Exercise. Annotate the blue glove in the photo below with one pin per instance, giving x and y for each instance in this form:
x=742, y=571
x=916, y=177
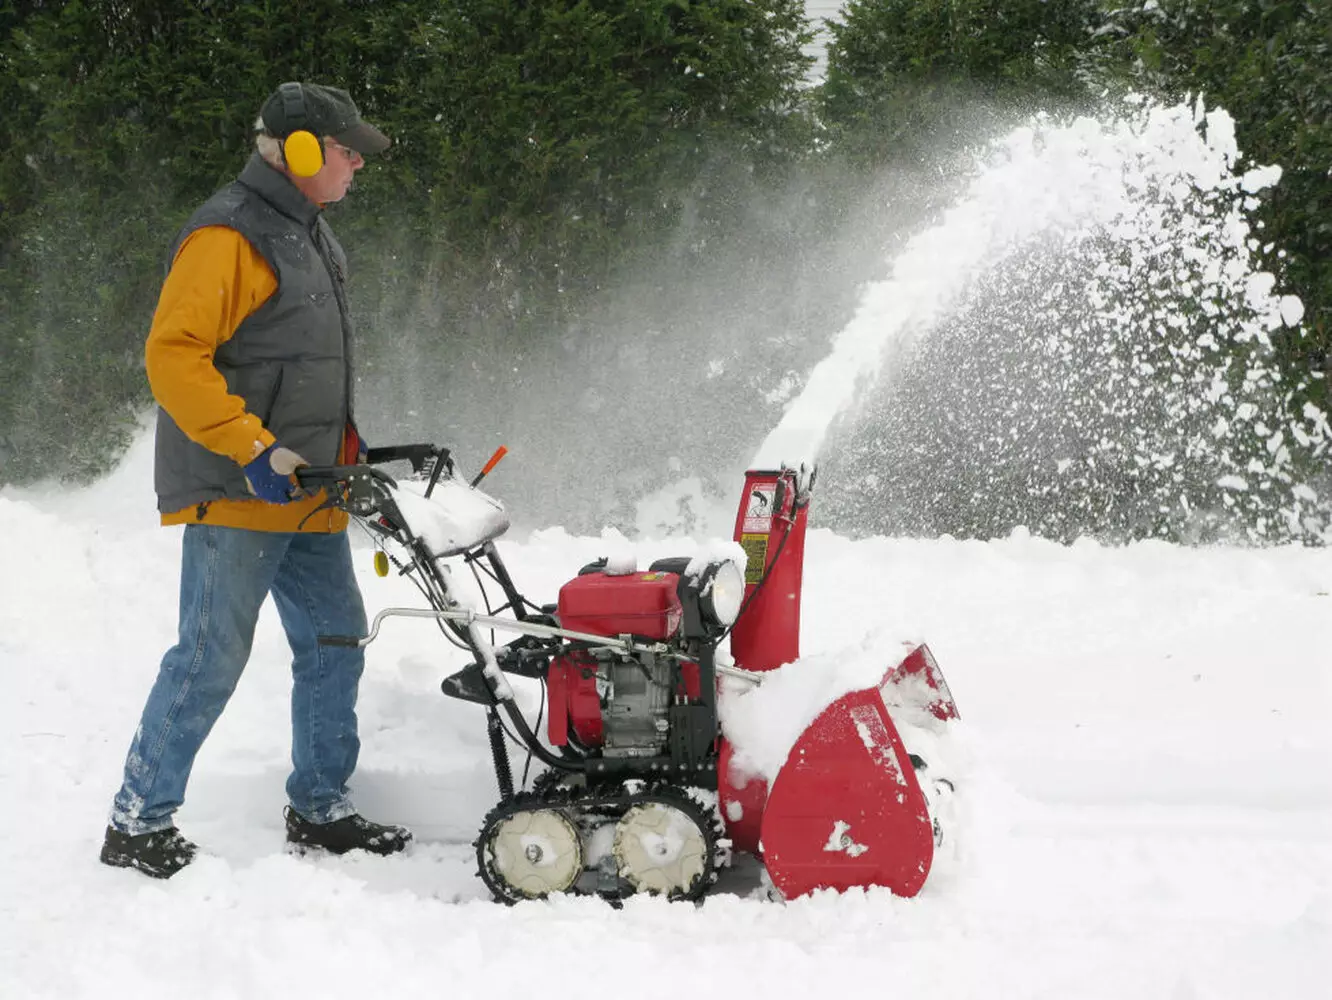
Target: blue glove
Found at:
x=270, y=475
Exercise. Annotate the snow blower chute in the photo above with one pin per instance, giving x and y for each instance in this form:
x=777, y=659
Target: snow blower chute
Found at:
x=847, y=808
x=640, y=791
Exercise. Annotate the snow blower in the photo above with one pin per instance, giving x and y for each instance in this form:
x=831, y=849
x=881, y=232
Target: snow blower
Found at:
x=641, y=791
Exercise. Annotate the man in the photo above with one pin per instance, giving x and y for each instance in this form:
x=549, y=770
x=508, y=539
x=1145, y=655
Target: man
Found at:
x=249, y=358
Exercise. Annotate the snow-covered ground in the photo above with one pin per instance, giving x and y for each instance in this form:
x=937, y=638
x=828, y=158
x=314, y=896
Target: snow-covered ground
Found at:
x=1145, y=811
x=1148, y=809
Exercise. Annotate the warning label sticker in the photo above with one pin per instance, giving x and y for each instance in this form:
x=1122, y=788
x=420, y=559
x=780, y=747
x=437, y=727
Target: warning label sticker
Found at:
x=758, y=509
x=756, y=556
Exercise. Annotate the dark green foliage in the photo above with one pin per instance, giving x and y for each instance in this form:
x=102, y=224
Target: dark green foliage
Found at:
x=550, y=139
x=914, y=77
x=538, y=144
x=1269, y=63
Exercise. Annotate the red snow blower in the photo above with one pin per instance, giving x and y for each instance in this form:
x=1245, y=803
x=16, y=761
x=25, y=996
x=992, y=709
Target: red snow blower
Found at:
x=640, y=791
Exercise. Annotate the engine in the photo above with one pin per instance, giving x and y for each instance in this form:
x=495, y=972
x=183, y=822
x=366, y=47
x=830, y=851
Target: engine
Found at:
x=620, y=704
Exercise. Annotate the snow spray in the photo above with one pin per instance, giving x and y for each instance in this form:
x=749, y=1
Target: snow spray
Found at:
x=1149, y=197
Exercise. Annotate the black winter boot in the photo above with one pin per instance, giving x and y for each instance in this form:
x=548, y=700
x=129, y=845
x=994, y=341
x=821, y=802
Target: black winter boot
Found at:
x=351, y=833
x=160, y=854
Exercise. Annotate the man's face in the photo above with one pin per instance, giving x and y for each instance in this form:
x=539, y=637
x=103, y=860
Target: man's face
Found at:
x=335, y=177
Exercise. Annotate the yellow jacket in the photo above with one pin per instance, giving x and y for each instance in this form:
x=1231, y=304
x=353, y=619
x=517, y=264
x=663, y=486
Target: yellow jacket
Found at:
x=216, y=280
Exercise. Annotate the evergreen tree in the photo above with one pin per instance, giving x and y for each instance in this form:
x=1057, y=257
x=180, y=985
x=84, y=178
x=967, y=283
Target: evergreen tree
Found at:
x=536, y=145
x=908, y=78
x=1270, y=65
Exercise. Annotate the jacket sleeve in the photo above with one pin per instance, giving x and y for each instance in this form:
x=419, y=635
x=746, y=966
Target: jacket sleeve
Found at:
x=216, y=280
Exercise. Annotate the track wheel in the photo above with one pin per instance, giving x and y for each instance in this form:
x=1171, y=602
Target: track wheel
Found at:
x=530, y=854
x=662, y=848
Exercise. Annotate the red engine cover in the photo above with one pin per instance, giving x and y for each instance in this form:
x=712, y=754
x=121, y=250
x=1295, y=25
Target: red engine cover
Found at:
x=642, y=604
x=571, y=690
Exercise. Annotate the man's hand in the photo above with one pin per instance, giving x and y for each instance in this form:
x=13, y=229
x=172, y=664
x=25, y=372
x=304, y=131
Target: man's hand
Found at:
x=270, y=475
x=362, y=449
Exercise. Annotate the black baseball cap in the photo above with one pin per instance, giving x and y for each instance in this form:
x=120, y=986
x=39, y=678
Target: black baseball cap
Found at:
x=323, y=111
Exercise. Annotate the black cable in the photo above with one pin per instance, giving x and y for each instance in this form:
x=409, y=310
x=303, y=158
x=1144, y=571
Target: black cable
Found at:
x=432, y=599
x=490, y=573
x=540, y=715
x=518, y=742
x=453, y=633
x=445, y=627
x=485, y=598
x=477, y=570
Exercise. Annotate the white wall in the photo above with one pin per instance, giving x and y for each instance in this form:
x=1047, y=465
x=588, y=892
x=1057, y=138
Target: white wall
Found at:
x=816, y=11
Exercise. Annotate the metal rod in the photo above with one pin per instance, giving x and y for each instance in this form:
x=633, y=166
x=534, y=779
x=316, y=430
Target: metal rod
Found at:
x=468, y=617
x=753, y=676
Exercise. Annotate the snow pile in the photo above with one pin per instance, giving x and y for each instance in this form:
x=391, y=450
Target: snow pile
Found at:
x=621, y=560
x=764, y=720
x=454, y=518
x=681, y=508
x=717, y=550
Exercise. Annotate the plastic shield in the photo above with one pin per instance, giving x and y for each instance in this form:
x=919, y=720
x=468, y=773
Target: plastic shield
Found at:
x=846, y=809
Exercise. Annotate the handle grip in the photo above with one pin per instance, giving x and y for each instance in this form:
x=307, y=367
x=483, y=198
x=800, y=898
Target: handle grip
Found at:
x=349, y=641
x=500, y=452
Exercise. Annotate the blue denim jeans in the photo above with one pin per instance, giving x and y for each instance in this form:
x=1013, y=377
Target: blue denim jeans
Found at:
x=225, y=575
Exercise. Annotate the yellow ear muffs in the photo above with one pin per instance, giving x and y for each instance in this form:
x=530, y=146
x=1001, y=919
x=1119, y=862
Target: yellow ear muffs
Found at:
x=303, y=153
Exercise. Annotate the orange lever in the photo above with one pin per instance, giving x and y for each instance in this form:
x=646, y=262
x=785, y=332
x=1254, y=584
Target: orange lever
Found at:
x=500, y=452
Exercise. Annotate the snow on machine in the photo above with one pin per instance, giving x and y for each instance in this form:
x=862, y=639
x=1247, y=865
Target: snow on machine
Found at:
x=642, y=790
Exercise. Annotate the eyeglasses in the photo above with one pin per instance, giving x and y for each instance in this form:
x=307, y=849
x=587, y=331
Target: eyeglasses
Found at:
x=351, y=154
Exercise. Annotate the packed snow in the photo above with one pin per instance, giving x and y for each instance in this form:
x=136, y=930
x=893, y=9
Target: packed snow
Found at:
x=1148, y=808
x=454, y=518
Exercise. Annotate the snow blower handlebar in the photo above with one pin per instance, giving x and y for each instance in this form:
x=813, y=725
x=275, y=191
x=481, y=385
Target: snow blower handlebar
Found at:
x=425, y=458
x=358, y=489
x=428, y=461
x=623, y=643
x=367, y=494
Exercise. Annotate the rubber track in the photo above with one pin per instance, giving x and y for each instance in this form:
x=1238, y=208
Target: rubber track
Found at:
x=584, y=806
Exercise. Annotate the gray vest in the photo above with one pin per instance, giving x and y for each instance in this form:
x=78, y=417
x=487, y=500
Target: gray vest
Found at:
x=290, y=360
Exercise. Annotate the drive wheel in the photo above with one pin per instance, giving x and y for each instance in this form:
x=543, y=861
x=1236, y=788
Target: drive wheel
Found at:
x=529, y=853
x=664, y=848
